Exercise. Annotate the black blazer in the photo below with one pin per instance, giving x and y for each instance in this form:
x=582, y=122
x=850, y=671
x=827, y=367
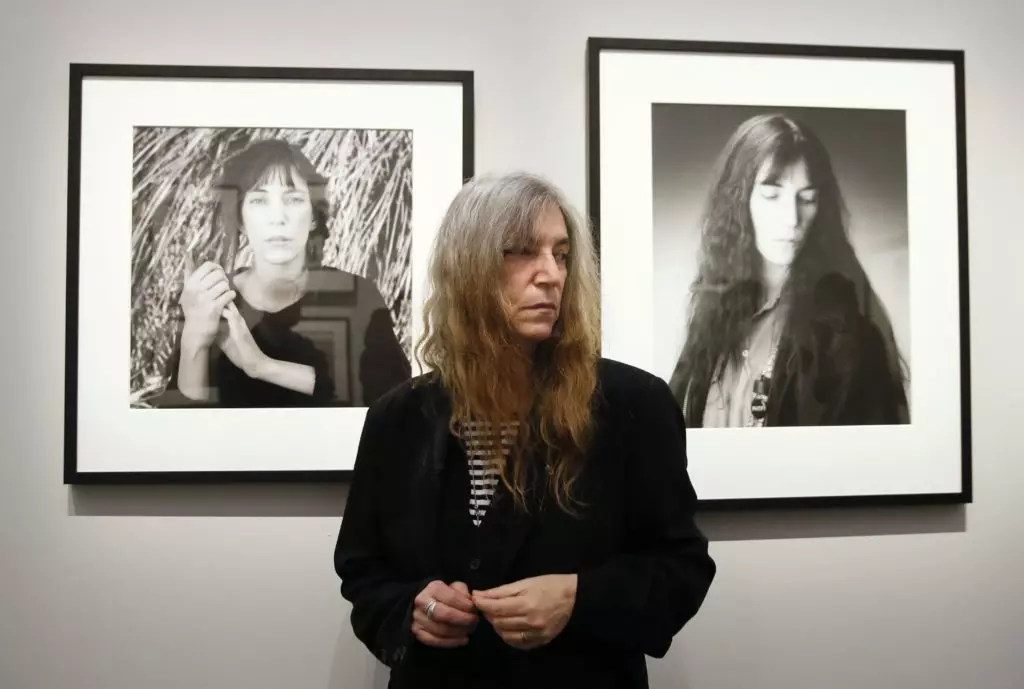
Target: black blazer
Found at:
x=643, y=565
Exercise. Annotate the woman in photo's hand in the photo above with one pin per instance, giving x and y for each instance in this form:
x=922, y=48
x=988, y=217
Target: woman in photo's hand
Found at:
x=204, y=297
x=205, y=294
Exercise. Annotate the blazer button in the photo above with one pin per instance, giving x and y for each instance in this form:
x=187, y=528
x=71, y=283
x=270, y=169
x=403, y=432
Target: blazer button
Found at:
x=474, y=564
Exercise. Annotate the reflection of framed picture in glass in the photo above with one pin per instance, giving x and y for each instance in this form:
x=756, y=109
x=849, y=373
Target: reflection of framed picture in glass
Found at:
x=330, y=281
x=268, y=229
x=801, y=214
x=331, y=337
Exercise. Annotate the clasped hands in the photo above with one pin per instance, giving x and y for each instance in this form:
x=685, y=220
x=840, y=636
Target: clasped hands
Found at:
x=239, y=345
x=526, y=614
x=207, y=298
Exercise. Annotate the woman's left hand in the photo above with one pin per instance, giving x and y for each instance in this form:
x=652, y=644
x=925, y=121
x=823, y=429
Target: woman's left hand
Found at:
x=529, y=613
x=239, y=345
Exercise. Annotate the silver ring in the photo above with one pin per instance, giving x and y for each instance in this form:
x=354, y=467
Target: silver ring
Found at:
x=525, y=636
x=430, y=608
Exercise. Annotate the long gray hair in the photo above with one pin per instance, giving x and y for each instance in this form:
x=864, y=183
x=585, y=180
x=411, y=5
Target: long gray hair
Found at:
x=467, y=335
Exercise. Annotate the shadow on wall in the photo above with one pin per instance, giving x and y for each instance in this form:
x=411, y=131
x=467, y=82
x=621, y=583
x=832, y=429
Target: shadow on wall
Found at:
x=328, y=500
x=231, y=500
x=831, y=522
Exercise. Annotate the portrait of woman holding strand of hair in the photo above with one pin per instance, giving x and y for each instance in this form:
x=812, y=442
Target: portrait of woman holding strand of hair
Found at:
x=784, y=327
x=239, y=345
x=521, y=515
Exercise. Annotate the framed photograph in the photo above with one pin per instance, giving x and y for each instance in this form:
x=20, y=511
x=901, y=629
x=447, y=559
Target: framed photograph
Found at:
x=783, y=239
x=246, y=261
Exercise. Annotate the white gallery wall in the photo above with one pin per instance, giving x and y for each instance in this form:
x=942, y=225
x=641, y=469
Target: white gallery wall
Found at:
x=223, y=587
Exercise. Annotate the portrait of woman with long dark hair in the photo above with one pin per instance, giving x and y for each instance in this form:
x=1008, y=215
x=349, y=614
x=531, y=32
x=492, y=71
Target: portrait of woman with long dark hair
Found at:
x=784, y=327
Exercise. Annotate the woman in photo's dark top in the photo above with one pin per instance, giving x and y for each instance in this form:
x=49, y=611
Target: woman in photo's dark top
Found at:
x=240, y=344
x=785, y=328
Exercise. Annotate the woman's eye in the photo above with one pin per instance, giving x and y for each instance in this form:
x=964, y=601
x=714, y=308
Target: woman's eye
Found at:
x=769, y=192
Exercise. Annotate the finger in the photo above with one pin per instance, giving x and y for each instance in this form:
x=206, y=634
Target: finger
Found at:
x=235, y=323
x=449, y=615
x=442, y=592
x=436, y=628
x=211, y=274
x=432, y=640
x=221, y=302
x=512, y=624
x=513, y=589
x=228, y=315
x=462, y=588
x=454, y=599
x=424, y=596
x=502, y=607
x=200, y=272
x=515, y=639
x=212, y=286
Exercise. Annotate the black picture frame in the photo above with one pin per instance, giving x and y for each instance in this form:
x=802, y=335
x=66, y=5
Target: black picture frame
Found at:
x=456, y=151
x=641, y=59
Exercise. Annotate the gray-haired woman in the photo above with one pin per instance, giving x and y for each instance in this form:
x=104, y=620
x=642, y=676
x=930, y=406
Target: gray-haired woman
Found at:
x=521, y=515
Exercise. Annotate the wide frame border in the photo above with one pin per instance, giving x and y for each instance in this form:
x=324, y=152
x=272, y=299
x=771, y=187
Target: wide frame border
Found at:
x=596, y=45
x=78, y=72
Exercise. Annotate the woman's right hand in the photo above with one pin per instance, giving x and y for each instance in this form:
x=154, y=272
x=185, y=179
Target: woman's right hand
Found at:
x=454, y=615
x=203, y=298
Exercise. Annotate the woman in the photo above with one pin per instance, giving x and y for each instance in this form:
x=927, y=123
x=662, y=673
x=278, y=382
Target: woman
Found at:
x=785, y=329
x=521, y=515
x=240, y=345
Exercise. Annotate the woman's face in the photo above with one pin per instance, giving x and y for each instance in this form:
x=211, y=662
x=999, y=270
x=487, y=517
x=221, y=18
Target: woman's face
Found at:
x=277, y=217
x=782, y=209
x=533, y=279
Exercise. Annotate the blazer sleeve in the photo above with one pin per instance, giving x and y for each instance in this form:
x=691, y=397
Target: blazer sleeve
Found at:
x=640, y=599
x=382, y=601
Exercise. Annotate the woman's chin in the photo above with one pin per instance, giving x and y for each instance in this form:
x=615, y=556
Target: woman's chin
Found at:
x=536, y=333
x=278, y=257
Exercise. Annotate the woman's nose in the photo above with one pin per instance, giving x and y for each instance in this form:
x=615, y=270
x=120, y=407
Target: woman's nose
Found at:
x=791, y=213
x=277, y=212
x=547, y=268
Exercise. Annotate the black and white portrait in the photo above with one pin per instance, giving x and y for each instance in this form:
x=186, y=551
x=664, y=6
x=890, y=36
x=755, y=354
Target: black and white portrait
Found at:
x=270, y=267
x=782, y=235
x=247, y=261
x=781, y=261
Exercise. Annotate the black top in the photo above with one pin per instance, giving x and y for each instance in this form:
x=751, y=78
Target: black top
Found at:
x=849, y=375
x=340, y=325
x=642, y=564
